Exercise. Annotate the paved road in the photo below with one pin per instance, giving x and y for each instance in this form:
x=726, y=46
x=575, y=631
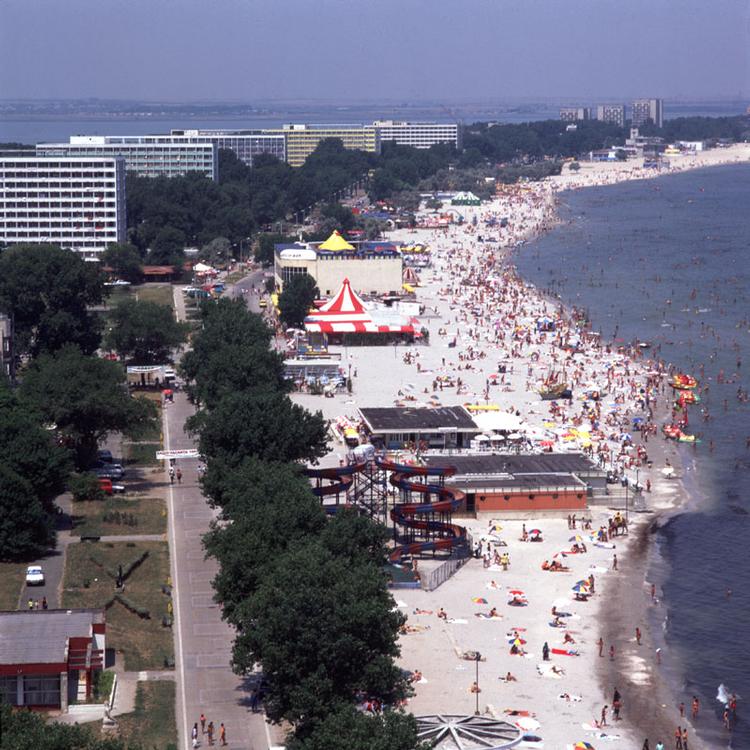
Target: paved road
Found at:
x=205, y=682
x=244, y=288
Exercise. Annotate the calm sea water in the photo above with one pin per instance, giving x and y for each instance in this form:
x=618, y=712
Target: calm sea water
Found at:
x=668, y=261
x=50, y=129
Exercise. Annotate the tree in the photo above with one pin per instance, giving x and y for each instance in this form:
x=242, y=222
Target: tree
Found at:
x=344, y=727
x=271, y=508
x=145, y=332
x=297, y=299
x=340, y=642
x=47, y=291
x=218, y=251
x=125, y=261
x=168, y=247
x=30, y=450
x=26, y=528
x=86, y=398
x=263, y=424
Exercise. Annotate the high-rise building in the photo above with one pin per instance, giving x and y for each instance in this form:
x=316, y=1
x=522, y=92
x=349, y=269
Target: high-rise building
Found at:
x=146, y=155
x=77, y=202
x=302, y=140
x=418, y=134
x=246, y=144
x=613, y=113
x=648, y=109
x=574, y=114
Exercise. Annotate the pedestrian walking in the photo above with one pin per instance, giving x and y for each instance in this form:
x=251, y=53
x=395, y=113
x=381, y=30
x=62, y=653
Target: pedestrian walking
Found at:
x=203, y=724
x=612, y=652
x=684, y=739
x=179, y=476
x=171, y=474
x=638, y=636
x=545, y=652
x=210, y=733
x=194, y=734
x=646, y=746
x=653, y=592
x=222, y=734
x=603, y=722
x=659, y=745
x=600, y=643
x=616, y=704
x=678, y=738
x=695, y=707
x=44, y=602
x=31, y=603
x=614, y=562
x=682, y=710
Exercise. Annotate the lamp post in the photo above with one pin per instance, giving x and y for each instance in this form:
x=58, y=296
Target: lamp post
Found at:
x=476, y=682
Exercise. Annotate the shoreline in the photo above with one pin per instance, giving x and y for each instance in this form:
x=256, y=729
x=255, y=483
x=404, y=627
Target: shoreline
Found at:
x=448, y=289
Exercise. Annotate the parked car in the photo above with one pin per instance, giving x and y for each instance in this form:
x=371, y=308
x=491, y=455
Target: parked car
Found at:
x=34, y=576
x=109, y=488
x=109, y=471
x=105, y=456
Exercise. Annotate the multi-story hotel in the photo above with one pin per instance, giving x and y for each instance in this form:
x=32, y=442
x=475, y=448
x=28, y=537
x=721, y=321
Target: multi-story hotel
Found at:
x=77, y=202
x=613, y=113
x=302, y=140
x=648, y=109
x=245, y=143
x=419, y=134
x=146, y=155
x=574, y=114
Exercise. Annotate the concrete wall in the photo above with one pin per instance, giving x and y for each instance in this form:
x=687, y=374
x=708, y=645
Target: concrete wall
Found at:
x=563, y=500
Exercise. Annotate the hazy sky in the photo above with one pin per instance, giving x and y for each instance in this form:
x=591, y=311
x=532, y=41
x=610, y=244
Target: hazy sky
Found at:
x=403, y=50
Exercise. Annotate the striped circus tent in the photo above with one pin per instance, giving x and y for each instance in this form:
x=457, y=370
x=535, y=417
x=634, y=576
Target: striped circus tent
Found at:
x=345, y=312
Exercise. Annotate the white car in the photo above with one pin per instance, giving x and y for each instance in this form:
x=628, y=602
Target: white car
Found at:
x=34, y=576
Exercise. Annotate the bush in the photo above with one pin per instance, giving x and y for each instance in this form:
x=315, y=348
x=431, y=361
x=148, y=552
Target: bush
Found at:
x=142, y=612
x=85, y=487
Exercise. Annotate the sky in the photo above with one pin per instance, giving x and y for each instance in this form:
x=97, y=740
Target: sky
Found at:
x=374, y=50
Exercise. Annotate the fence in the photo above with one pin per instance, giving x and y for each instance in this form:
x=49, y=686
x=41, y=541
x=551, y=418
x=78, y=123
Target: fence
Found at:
x=459, y=557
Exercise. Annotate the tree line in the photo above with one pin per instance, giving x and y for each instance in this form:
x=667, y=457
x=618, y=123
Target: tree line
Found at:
x=307, y=594
x=68, y=399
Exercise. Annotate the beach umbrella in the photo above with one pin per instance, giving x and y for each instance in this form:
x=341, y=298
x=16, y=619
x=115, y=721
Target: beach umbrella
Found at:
x=579, y=589
x=576, y=538
x=516, y=592
x=535, y=531
x=583, y=746
x=479, y=600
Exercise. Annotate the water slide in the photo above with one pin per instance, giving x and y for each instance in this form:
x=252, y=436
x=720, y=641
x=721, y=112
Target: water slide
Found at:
x=340, y=479
x=410, y=515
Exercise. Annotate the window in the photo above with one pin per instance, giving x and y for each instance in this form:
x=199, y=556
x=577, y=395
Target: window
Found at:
x=41, y=691
x=9, y=690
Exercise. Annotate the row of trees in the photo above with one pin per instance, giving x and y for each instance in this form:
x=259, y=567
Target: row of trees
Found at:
x=68, y=399
x=307, y=595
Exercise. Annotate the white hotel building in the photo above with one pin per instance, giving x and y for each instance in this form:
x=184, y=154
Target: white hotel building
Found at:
x=146, y=155
x=77, y=202
x=418, y=134
x=246, y=144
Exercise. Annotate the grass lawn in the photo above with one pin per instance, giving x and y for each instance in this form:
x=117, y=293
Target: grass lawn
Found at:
x=145, y=643
x=99, y=518
x=159, y=293
x=12, y=576
x=141, y=454
x=152, y=724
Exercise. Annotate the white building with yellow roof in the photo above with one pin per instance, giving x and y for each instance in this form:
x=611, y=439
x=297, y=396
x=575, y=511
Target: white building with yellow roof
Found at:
x=371, y=267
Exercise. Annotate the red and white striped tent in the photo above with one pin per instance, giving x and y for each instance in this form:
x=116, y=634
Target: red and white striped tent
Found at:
x=346, y=313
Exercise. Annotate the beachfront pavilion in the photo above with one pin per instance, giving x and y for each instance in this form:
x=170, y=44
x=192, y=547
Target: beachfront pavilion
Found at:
x=444, y=428
x=533, y=482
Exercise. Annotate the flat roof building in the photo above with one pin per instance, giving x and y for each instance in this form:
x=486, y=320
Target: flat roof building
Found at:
x=648, y=109
x=246, y=144
x=446, y=427
x=77, y=202
x=145, y=155
x=48, y=657
x=371, y=267
x=418, y=134
x=574, y=114
x=612, y=113
x=303, y=139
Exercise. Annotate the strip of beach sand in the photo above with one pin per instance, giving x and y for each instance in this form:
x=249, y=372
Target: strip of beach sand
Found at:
x=479, y=313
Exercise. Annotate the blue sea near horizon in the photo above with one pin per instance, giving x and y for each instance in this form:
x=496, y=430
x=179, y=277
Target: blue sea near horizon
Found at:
x=41, y=128
x=667, y=261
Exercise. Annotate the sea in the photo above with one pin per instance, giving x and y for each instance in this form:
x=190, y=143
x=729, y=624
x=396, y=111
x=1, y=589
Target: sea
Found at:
x=667, y=262
x=47, y=127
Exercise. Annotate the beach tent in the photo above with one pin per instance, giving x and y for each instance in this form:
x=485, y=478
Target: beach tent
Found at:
x=345, y=312
x=498, y=421
x=335, y=243
x=465, y=199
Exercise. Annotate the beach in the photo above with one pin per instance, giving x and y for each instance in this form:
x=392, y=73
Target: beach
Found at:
x=474, y=298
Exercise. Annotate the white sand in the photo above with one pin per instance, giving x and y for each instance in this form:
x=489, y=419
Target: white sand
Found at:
x=481, y=317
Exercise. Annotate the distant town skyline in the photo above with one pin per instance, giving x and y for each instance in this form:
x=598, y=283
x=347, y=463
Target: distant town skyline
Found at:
x=390, y=50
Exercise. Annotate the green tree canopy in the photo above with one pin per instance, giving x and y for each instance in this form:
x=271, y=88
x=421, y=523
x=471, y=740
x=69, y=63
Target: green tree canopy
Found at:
x=271, y=508
x=297, y=299
x=217, y=251
x=145, y=332
x=31, y=451
x=265, y=424
x=85, y=397
x=125, y=261
x=167, y=247
x=326, y=629
x=48, y=290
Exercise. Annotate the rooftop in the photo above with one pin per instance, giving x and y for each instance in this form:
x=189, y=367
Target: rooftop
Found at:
x=41, y=636
x=406, y=419
x=497, y=465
